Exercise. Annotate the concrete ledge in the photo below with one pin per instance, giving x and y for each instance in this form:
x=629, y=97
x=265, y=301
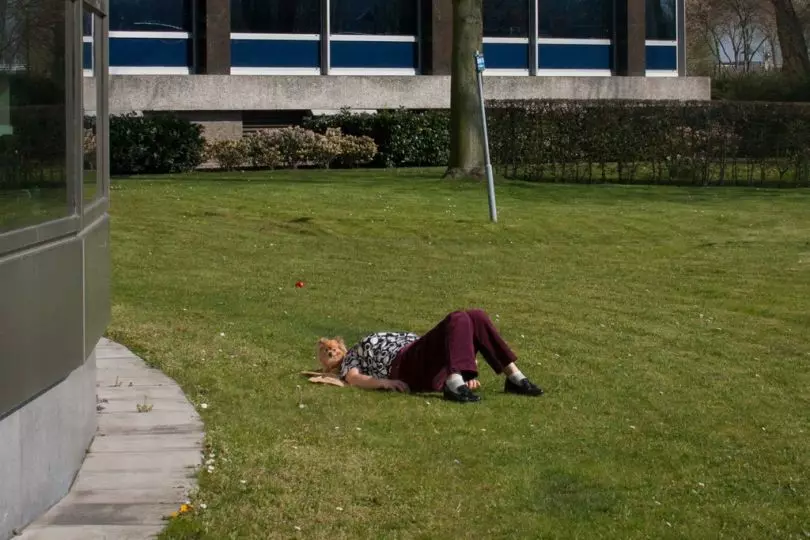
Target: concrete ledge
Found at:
x=264, y=92
x=42, y=446
x=140, y=466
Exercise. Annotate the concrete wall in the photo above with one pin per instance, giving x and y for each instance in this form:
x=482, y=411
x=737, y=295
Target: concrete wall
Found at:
x=42, y=446
x=261, y=92
x=54, y=308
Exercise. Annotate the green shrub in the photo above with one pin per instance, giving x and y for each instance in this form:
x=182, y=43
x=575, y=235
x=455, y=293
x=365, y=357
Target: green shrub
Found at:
x=263, y=150
x=700, y=143
x=773, y=86
x=154, y=144
x=403, y=138
x=228, y=154
x=293, y=147
x=89, y=149
x=356, y=150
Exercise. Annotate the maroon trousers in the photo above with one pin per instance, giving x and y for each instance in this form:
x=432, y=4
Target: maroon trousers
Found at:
x=449, y=348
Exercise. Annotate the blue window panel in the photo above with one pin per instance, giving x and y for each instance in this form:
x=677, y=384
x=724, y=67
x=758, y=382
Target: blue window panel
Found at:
x=246, y=53
x=570, y=56
x=87, y=55
x=373, y=54
x=662, y=57
x=150, y=52
x=506, y=55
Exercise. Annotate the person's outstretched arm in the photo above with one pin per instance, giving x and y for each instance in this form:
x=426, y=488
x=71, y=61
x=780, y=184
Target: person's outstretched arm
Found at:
x=355, y=378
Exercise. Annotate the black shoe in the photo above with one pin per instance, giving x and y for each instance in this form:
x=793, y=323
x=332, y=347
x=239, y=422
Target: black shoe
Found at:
x=464, y=395
x=523, y=388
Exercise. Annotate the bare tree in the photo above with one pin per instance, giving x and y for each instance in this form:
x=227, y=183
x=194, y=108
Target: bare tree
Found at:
x=30, y=33
x=733, y=32
x=466, y=138
x=792, y=42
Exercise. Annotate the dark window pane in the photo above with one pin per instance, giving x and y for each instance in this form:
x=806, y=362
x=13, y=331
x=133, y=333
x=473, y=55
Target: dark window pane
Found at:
x=661, y=19
x=32, y=113
x=276, y=16
x=376, y=17
x=576, y=19
x=87, y=23
x=150, y=15
x=506, y=18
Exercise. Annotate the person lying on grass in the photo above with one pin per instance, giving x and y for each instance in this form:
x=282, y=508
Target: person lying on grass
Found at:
x=441, y=360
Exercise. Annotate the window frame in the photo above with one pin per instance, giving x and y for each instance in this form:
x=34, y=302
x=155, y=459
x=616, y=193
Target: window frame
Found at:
x=53, y=230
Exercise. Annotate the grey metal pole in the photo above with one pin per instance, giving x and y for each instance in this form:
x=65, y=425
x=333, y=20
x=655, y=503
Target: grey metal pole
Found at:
x=493, y=210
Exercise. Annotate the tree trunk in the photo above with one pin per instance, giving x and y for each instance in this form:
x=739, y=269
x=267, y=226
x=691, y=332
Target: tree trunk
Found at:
x=466, y=137
x=795, y=59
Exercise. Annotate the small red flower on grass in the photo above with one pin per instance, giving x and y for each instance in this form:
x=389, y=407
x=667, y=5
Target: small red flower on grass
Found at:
x=299, y=285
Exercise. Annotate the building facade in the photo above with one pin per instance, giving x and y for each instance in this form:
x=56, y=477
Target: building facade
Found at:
x=235, y=58
x=389, y=37
x=54, y=250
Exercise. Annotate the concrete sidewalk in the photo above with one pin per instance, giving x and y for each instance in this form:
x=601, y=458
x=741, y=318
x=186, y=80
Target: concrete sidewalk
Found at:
x=140, y=466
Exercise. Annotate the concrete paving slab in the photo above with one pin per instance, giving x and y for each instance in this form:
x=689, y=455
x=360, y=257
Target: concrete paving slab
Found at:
x=141, y=480
x=77, y=513
x=123, y=376
x=157, y=495
x=97, y=532
x=174, y=429
x=118, y=362
x=148, y=419
x=146, y=443
x=128, y=392
x=141, y=465
x=141, y=461
x=130, y=403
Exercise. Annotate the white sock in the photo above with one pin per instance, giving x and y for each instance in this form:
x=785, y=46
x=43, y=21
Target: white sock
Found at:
x=516, y=377
x=454, y=382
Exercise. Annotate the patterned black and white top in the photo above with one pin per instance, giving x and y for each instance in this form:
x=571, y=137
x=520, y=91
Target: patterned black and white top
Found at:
x=375, y=353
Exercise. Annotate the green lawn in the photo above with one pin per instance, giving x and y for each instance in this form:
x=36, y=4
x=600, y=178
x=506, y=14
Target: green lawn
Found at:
x=669, y=327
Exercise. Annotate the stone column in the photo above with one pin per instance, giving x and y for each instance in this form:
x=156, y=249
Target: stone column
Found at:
x=215, y=37
x=437, y=36
x=630, y=38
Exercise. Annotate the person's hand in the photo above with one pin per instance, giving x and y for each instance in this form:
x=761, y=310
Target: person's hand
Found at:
x=474, y=384
x=399, y=386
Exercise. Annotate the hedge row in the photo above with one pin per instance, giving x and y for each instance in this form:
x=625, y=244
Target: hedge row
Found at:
x=581, y=141
x=773, y=86
x=704, y=143
x=403, y=138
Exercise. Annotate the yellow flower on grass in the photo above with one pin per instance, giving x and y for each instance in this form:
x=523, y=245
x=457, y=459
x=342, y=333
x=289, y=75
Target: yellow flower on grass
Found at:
x=184, y=508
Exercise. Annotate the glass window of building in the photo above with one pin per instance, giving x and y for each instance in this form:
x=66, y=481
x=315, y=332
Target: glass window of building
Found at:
x=575, y=19
x=87, y=23
x=506, y=18
x=374, y=17
x=276, y=16
x=150, y=15
x=33, y=147
x=661, y=19
x=91, y=189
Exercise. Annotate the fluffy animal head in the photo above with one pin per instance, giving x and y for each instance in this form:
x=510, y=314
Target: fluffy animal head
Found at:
x=331, y=353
